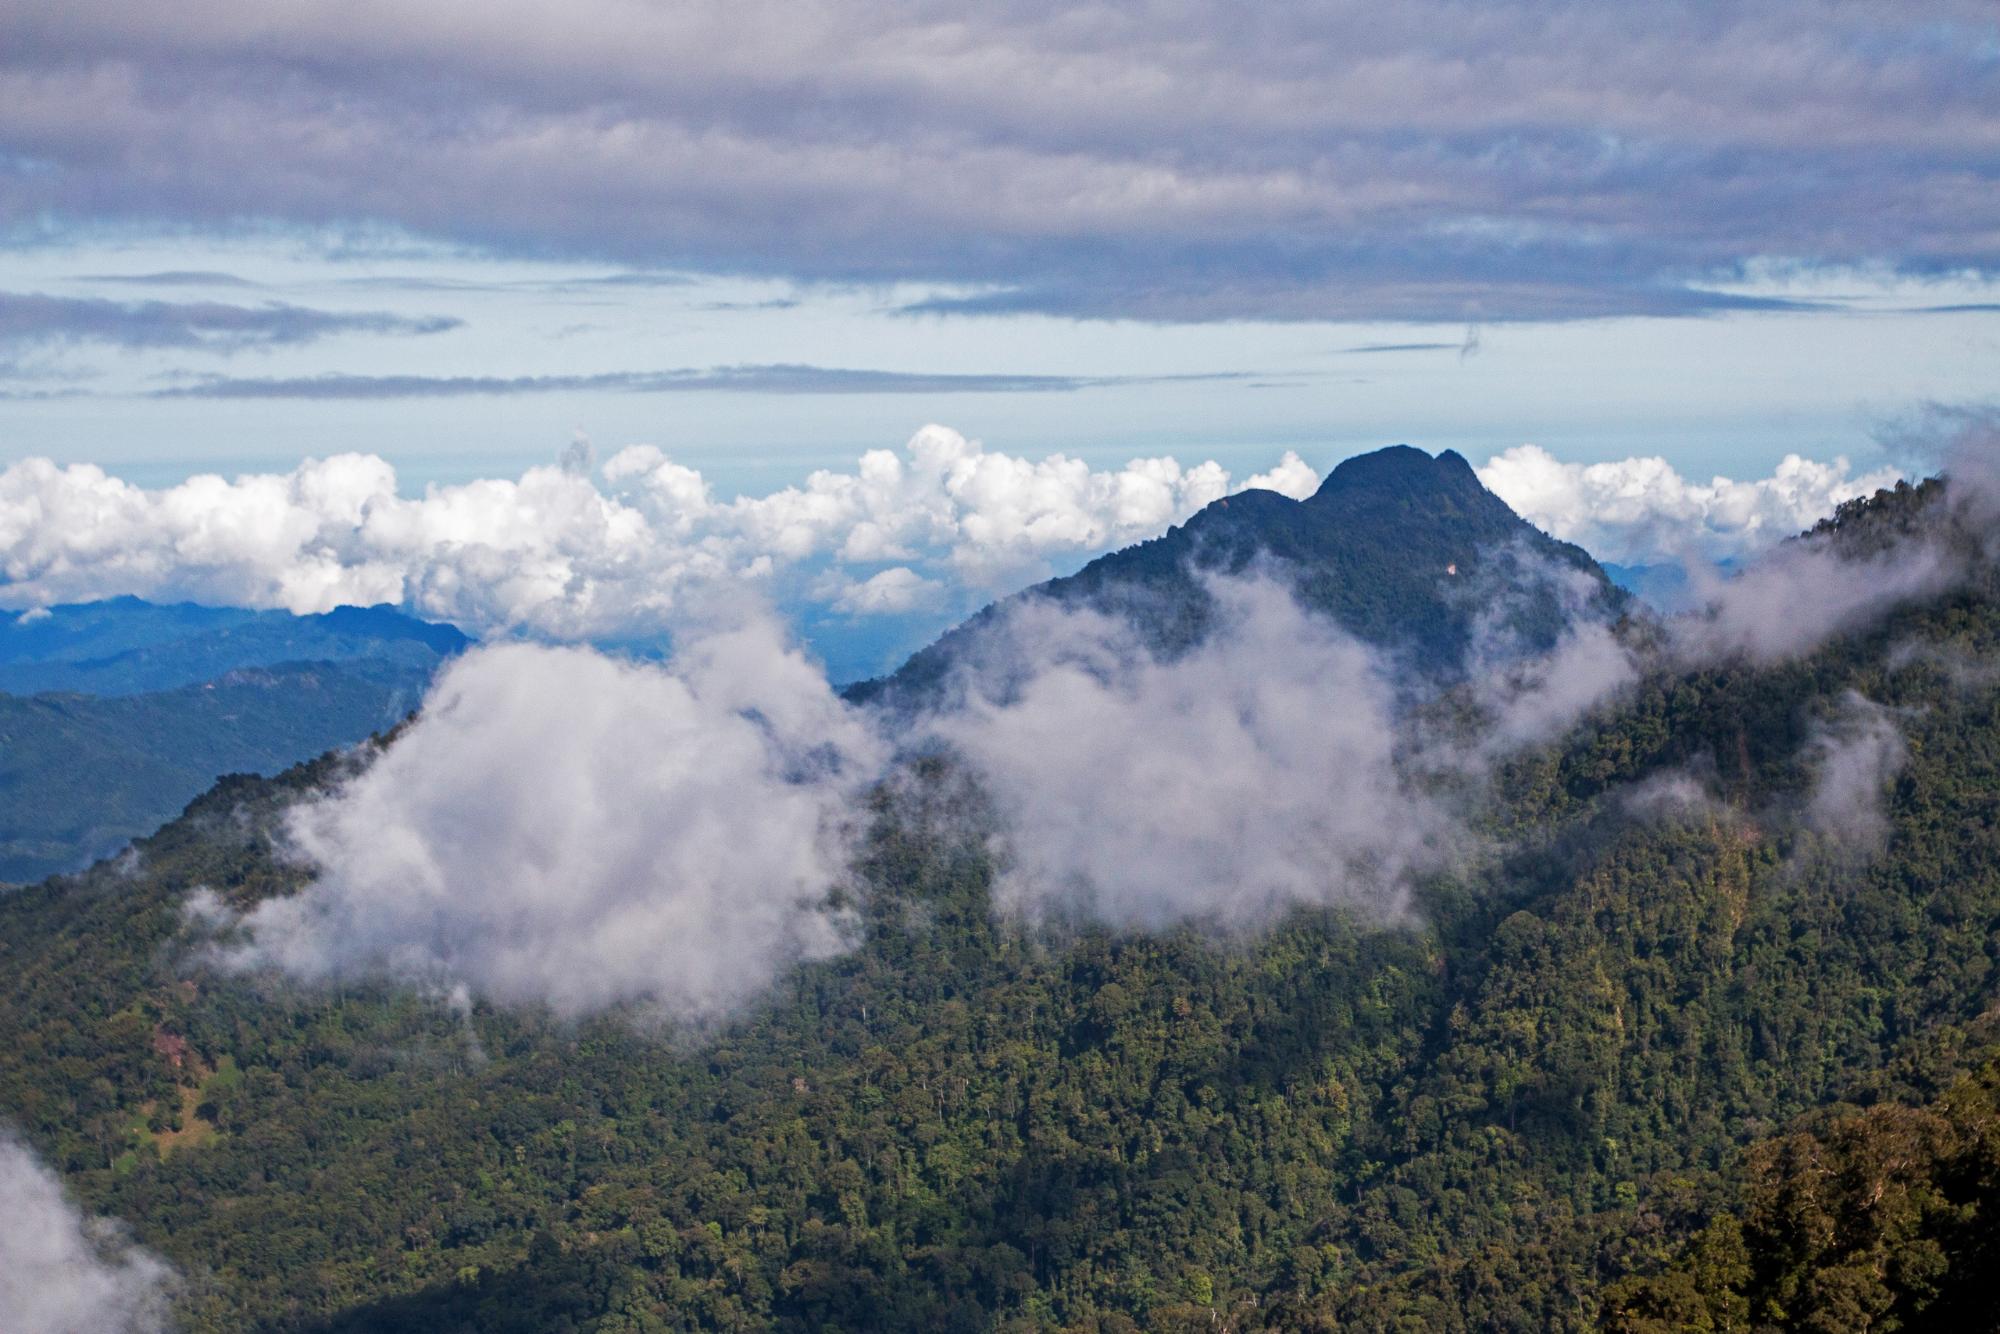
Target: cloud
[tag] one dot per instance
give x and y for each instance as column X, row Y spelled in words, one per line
column 1527, row 701
column 1292, row 477
column 562, row 828
column 1799, row 595
column 893, row 592
column 1545, row 161
column 558, row 553
column 1642, row 510
column 62, row 1272
column 1252, row 775
column 579, row 283
column 1782, row 605
column 1961, row 441
column 29, row 319
column 1779, row 604
column 559, row 827
column 1673, row 794
column 1853, row 756
column 170, row 278
column 775, row 379
column 552, row 554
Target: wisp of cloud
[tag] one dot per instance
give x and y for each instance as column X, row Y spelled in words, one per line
column 1853, row 755
column 63, row 1272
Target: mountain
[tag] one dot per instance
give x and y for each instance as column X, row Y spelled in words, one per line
column 1672, row 1057
column 81, row 777
column 123, row 711
column 1405, row 550
column 126, row 646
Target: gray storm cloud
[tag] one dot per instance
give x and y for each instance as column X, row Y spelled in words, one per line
column 1422, row 161
column 564, row 828
column 1251, row 775
column 64, row 1272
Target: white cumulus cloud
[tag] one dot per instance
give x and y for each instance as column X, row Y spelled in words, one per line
column 554, row 554
column 1292, row 477
column 890, row 593
column 563, row 827
column 1642, row 510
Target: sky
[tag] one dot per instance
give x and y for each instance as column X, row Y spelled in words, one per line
column 466, row 239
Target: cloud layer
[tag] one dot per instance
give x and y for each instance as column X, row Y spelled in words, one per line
column 1169, row 161
column 62, row 1272
column 772, row 379
column 556, row 553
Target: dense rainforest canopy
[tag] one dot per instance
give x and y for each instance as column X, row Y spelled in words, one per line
column 1647, row 1064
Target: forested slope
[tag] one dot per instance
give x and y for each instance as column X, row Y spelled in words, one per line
column 114, row 714
column 1572, row 1089
column 80, row 776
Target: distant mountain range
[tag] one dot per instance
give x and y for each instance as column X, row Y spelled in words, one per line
column 116, row 714
column 126, row 646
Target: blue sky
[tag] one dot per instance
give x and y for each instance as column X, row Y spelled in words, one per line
column 767, row 239
column 456, row 365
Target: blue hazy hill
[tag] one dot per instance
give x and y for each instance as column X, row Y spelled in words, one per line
column 126, row 646
column 114, row 715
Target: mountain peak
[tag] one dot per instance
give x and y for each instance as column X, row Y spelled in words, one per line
column 1392, row 547
column 1401, row 470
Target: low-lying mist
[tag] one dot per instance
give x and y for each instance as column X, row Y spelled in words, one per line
column 562, row 827
column 64, row 1270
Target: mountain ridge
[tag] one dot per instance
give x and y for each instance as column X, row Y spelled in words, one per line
column 128, row 645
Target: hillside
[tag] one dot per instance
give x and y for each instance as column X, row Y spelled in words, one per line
column 1573, row 1089
column 116, row 714
column 1403, row 550
column 81, row 777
